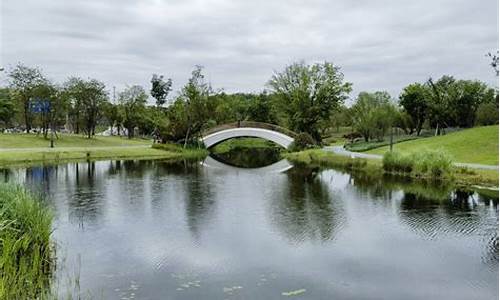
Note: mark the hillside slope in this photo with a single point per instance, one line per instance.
(475, 145)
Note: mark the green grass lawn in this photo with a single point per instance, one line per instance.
(66, 140)
(27, 157)
(27, 149)
(475, 145)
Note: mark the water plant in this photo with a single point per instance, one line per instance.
(26, 251)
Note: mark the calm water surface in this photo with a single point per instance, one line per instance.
(159, 230)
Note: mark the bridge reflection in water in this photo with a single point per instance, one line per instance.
(277, 167)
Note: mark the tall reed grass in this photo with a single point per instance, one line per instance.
(26, 252)
(435, 164)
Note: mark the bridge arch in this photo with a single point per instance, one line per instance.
(249, 129)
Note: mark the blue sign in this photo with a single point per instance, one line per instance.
(40, 106)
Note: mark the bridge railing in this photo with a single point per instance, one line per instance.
(250, 124)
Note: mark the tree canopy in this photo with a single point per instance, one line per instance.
(307, 94)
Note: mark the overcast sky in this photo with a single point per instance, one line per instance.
(380, 45)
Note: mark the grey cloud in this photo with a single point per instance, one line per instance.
(380, 45)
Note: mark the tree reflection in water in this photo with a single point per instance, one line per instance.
(200, 202)
(304, 210)
(85, 205)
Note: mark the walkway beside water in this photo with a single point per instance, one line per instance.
(341, 151)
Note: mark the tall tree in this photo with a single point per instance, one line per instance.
(373, 114)
(7, 107)
(48, 95)
(23, 80)
(307, 94)
(87, 98)
(440, 97)
(132, 103)
(414, 101)
(160, 89)
(467, 97)
(195, 95)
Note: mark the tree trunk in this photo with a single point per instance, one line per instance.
(130, 132)
(187, 136)
(26, 116)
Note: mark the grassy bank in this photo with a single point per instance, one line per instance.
(374, 167)
(365, 146)
(66, 140)
(329, 159)
(26, 252)
(33, 156)
(77, 148)
(475, 145)
(177, 151)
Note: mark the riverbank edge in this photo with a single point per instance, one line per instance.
(44, 156)
(460, 176)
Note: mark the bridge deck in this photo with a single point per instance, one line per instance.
(245, 129)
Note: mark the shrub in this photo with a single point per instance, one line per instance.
(301, 142)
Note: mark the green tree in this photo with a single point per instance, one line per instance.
(487, 114)
(86, 98)
(23, 80)
(414, 101)
(112, 114)
(307, 94)
(132, 104)
(467, 96)
(7, 107)
(341, 116)
(440, 99)
(47, 92)
(260, 109)
(195, 95)
(160, 89)
(373, 114)
(177, 122)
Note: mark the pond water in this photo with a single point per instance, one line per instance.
(162, 230)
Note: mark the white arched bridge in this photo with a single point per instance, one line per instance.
(270, 132)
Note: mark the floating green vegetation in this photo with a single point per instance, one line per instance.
(294, 293)
(26, 252)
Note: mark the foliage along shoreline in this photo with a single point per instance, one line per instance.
(458, 176)
(27, 254)
(396, 164)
